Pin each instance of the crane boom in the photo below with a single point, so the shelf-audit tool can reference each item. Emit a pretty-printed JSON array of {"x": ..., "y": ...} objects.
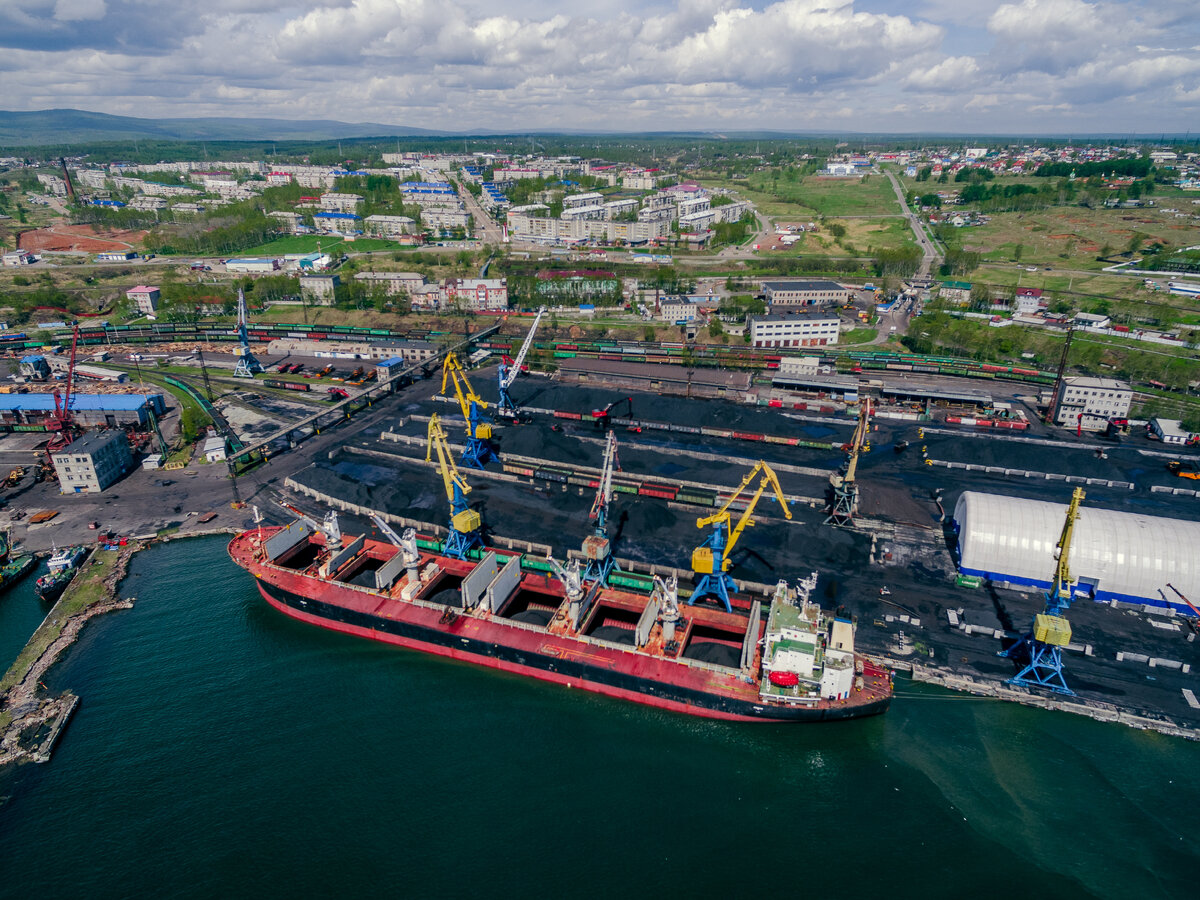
[
  {"x": 599, "y": 510},
  {"x": 464, "y": 522},
  {"x": 453, "y": 372},
  {"x": 1062, "y": 569},
  {"x": 859, "y": 440},
  {"x": 479, "y": 430},
  {"x": 711, "y": 559},
  {"x": 515, "y": 368}
]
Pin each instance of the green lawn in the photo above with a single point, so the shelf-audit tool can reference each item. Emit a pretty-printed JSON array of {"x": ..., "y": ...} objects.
[
  {"x": 857, "y": 336},
  {"x": 777, "y": 194}
]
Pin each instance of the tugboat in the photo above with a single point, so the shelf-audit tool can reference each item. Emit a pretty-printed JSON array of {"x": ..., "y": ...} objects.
[{"x": 63, "y": 565}]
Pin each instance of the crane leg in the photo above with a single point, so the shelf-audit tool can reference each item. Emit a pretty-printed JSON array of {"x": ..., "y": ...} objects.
[{"x": 719, "y": 585}]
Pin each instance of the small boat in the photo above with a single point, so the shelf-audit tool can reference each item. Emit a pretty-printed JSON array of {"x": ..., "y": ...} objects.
[
  {"x": 66, "y": 558},
  {"x": 51, "y": 585},
  {"x": 14, "y": 569}
]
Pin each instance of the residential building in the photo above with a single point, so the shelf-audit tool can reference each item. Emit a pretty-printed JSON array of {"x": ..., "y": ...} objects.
[
  {"x": 957, "y": 292},
  {"x": 1029, "y": 301},
  {"x": 92, "y": 462},
  {"x": 805, "y": 293},
  {"x": 149, "y": 204},
  {"x": 478, "y": 293},
  {"x": 794, "y": 329},
  {"x": 53, "y": 183},
  {"x": 395, "y": 282},
  {"x": 573, "y": 201},
  {"x": 1089, "y": 403},
  {"x": 389, "y": 226},
  {"x": 145, "y": 297},
  {"x": 321, "y": 289},
  {"x": 438, "y": 217},
  {"x": 289, "y": 222},
  {"x": 337, "y": 222},
  {"x": 1091, "y": 320},
  {"x": 344, "y": 203},
  {"x": 677, "y": 310}
]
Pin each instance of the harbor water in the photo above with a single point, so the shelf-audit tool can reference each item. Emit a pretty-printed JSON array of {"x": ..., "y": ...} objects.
[{"x": 222, "y": 749}]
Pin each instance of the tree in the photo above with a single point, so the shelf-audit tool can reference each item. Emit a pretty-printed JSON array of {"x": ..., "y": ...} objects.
[{"x": 1018, "y": 252}]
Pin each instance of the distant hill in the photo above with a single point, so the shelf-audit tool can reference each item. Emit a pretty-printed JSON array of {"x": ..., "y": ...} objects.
[{"x": 64, "y": 126}]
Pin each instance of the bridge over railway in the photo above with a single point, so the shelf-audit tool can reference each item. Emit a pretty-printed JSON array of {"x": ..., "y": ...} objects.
[{"x": 290, "y": 435}]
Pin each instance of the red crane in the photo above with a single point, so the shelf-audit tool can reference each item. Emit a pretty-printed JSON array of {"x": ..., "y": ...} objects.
[{"x": 62, "y": 422}]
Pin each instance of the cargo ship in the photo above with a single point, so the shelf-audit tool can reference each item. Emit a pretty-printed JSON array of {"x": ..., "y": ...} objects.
[{"x": 777, "y": 657}]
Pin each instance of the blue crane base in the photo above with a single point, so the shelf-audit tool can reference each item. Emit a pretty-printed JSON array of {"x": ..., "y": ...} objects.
[
  {"x": 599, "y": 570},
  {"x": 458, "y": 544},
  {"x": 1044, "y": 668},
  {"x": 478, "y": 453},
  {"x": 717, "y": 585}
]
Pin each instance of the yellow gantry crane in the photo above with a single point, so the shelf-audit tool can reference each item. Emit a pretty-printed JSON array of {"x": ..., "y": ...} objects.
[
  {"x": 478, "y": 452},
  {"x": 1041, "y": 649},
  {"x": 845, "y": 488},
  {"x": 465, "y": 522},
  {"x": 711, "y": 559}
]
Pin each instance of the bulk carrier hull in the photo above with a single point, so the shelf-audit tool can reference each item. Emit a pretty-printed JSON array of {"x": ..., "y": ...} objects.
[{"x": 680, "y": 685}]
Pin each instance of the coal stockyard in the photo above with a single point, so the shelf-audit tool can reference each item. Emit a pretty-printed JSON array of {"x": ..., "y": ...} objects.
[{"x": 894, "y": 570}]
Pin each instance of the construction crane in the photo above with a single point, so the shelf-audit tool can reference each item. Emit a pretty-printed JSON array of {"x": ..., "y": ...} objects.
[
  {"x": 464, "y": 521},
  {"x": 247, "y": 365},
  {"x": 510, "y": 370},
  {"x": 597, "y": 549},
  {"x": 62, "y": 423},
  {"x": 845, "y": 489},
  {"x": 478, "y": 452},
  {"x": 1041, "y": 648},
  {"x": 711, "y": 559}
]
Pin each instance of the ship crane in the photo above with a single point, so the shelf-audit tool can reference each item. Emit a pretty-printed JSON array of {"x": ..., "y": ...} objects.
[
  {"x": 845, "y": 488},
  {"x": 407, "y": 544},
  {"x": 247, "y": 364},
  {"x": 597, "y": 549},
  {"x": 329, "y": 527},
  {"x": 1041, "y": 649},
  {"x": 478, "y": 452},
  {"x": 667, "y": 594},
  {"x": 711, "y": 559},
  {"x": 572, "y": 582},
  {"x": 464, "y": 522},
  {"x": 510, "y": 370}
]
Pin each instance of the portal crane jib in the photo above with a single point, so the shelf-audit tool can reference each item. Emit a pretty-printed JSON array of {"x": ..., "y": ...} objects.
[
  {"x": 508, "y": 372},
  {"x": 465, "y": 522},
  {"x": 478, "y": 452},
  {"x": 711, "y": 559}
]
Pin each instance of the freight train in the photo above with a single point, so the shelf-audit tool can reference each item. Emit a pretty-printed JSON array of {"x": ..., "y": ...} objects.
[{"x": 711, "y": 356}]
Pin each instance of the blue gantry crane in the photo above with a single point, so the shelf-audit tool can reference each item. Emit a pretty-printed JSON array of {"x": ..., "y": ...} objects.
[
  {"x": 465, "y": 523},
  {"x": 1041, "y": 649},
  {"x": 478, "y": 452},
  {"x": 509, "y": 370},
  {"x": 711, "y": 559}
]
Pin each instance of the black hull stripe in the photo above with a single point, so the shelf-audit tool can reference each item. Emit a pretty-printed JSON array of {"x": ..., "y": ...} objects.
[{"x": 567, "y": 667}]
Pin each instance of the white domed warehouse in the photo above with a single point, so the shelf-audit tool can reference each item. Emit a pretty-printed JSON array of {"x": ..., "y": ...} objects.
[{"x": 1114, "y": 555}]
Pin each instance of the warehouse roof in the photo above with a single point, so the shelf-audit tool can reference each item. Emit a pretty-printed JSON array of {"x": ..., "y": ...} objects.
[
  {"x": 1124, "y": 555},
  {"x": 45, "y": 402},
  {"x": 817, "y": 285}
]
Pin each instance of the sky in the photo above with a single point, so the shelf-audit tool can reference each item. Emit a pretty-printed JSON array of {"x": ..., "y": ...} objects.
[{"x": 958, "y": 66}]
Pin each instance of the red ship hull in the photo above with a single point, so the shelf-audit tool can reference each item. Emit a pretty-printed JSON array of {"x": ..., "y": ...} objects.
[{"x": 498, "y": 643}]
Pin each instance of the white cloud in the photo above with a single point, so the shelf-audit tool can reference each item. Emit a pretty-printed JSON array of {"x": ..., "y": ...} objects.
[
  {"x": 80, "y": 10},
  {"x": 515, "y": 65}
]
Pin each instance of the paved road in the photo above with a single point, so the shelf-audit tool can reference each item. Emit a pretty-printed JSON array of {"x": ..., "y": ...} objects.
[{"x": 930, "y": 250}]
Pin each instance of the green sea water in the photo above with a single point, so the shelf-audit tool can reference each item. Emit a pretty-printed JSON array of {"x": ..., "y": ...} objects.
[{"x": 223, "y": 750}]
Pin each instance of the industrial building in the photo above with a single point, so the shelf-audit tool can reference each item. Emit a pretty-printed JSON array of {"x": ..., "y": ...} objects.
[
  {"x": 145, "y": 298},
  {"x": 796, "y": 329},
  {"x": 655, "y": 377},
  {"x": 1114, "y": 555},
  {"x": 252, "y": 265},
  {"x": 805, "y": 293},
  {"x": 1090, "y": 403},
  {"x": 87, "y": 409},
  {"x": 92, "y": 462}
]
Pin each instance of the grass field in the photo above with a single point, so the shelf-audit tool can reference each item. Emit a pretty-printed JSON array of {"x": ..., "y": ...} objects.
[
  {"x": 308, "y": 243},
  {"x": 807, "y": 198}
]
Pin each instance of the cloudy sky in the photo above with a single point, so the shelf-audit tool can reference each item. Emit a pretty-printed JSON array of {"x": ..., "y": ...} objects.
[{"x": 983, "y": 66}]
